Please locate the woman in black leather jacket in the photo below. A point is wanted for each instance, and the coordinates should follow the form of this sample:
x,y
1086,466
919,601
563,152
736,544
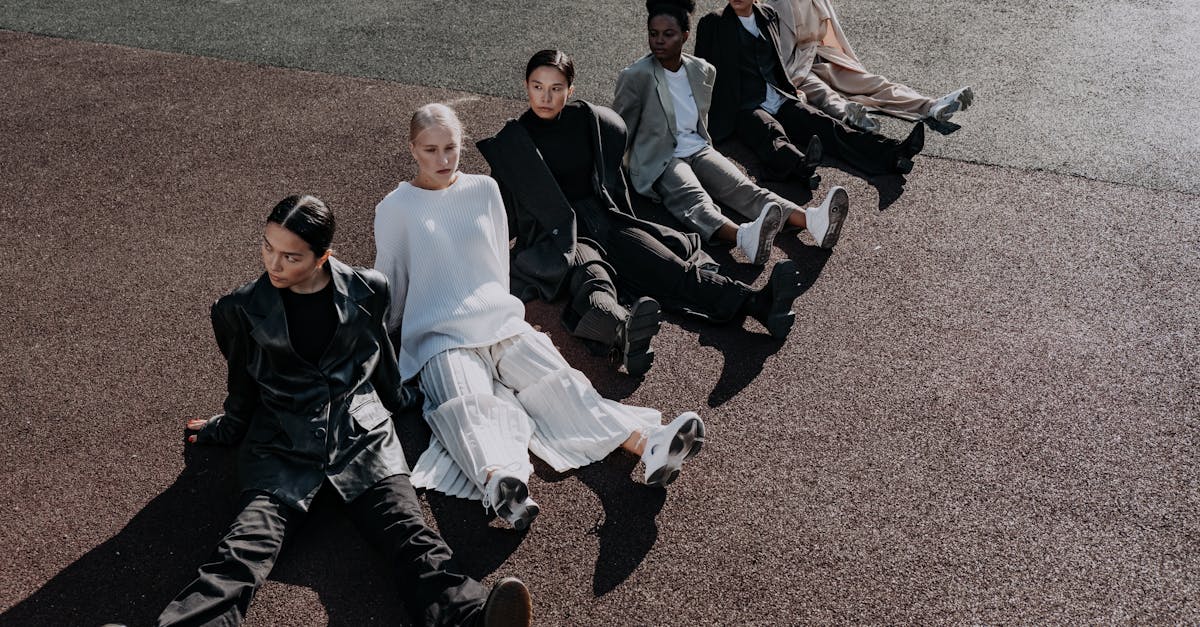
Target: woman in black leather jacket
x,y
312,378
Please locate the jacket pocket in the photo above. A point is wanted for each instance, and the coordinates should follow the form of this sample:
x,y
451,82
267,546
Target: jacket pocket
x,y
367,411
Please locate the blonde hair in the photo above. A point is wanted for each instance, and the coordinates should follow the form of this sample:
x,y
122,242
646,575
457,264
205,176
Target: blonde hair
x,y
430,115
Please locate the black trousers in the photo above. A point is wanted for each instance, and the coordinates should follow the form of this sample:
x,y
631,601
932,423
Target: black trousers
x,y
774,139
649,268
612,252
594,312
388,515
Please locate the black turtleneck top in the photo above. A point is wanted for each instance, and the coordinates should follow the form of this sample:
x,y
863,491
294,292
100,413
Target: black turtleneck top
x,y
311,320
566,147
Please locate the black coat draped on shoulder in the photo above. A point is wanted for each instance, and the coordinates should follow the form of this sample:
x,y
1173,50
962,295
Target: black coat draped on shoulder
x,y
541,218
718,42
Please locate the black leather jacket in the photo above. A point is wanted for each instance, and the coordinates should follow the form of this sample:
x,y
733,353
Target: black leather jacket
x,y
300,424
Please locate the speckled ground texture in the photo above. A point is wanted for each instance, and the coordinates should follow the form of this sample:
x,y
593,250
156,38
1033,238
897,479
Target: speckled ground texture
x,y
986,414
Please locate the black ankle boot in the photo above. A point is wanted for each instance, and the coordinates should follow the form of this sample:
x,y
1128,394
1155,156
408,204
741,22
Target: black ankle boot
x,y
772,305
633,337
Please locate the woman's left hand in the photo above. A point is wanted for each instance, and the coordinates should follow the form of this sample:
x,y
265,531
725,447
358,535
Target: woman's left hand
x,y
195,424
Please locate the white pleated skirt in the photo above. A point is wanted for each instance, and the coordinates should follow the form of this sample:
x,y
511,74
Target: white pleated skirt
x,y
489,407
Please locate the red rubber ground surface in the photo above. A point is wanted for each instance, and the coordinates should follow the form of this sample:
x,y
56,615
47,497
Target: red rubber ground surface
x,y
987,411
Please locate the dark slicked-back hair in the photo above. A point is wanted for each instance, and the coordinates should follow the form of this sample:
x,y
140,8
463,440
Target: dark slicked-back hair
x,y
307,217
556,59
681,10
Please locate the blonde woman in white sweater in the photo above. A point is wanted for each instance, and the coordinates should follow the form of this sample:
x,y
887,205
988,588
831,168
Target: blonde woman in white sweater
x,y
495,389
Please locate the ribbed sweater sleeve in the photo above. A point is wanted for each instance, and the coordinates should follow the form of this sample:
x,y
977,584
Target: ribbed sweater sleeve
x,y
391,252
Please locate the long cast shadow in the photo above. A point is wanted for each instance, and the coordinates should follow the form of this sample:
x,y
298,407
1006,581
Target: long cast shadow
x,y
130,577
628,528
745,350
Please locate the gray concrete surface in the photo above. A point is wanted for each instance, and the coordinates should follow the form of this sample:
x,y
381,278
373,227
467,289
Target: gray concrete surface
x,y
1104,90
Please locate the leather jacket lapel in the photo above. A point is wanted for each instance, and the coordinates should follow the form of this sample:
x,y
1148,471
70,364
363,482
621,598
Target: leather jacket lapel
x,y
265,311
348,290
269,318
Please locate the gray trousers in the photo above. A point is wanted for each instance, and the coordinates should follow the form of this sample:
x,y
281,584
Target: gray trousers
x,y
691,187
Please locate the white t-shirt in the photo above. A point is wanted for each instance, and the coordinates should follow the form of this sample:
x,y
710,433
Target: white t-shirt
x,y
773,99
687,140
445,254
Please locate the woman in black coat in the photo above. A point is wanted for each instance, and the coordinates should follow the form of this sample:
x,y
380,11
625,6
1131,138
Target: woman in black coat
x,y
312,378
559,169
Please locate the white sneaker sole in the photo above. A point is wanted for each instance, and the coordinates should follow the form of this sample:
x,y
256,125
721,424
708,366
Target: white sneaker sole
x,y
839,206
771,225
514,504
685,444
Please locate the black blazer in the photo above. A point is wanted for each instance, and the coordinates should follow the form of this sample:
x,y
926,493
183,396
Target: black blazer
x,y
299,423
541,218
719,43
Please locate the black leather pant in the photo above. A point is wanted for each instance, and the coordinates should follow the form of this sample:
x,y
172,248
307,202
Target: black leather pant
x,y
388,515
778,139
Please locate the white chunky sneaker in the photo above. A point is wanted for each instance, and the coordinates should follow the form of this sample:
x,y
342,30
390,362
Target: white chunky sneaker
x,y
825,221
509,496
754,239
670,445
856,116
951,103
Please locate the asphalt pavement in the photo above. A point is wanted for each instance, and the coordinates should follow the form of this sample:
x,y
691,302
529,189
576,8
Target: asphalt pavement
x,y
987,412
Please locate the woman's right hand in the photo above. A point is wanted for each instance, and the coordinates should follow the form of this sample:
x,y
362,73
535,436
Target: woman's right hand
x,y
195,424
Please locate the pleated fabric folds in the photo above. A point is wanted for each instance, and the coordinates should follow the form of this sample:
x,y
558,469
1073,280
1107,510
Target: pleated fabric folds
x,y
488,407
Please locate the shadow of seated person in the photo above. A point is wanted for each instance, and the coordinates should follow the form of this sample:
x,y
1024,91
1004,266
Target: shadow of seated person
x,y
628,527
328,555
130,577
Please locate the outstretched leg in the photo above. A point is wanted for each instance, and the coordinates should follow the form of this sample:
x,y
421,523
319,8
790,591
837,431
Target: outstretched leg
x,y
869,152
576,426
649,267
731,187
778,148
595,315
431,583
226,585
482,435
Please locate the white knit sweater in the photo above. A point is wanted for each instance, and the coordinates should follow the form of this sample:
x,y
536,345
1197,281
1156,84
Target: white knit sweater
x,y
445,254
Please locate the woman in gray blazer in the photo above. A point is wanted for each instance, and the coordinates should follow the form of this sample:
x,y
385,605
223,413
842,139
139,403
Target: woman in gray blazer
x,y
664,98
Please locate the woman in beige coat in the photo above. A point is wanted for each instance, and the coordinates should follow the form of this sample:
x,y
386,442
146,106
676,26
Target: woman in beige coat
x,y
821,64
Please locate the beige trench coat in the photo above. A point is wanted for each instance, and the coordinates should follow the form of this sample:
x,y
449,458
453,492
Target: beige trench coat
x,y
821,64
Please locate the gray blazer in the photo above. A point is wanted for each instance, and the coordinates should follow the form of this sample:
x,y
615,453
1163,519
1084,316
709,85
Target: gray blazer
x,y
644,101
